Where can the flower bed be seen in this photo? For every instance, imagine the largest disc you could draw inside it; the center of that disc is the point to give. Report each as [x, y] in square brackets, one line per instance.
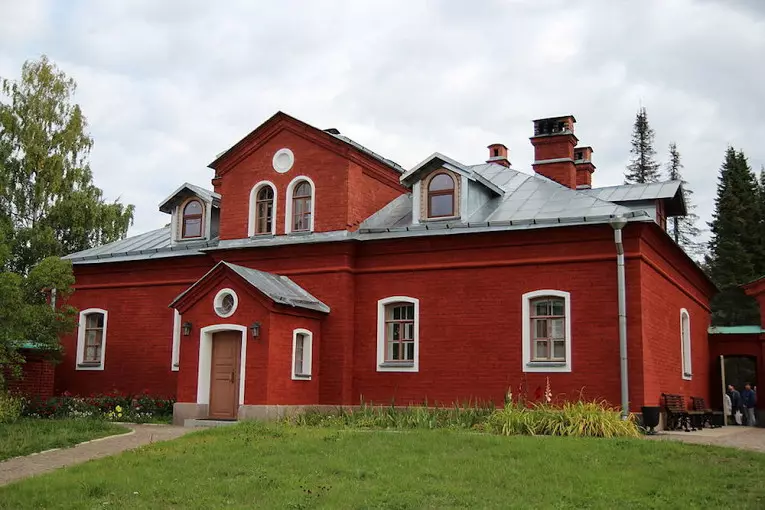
[113, 406]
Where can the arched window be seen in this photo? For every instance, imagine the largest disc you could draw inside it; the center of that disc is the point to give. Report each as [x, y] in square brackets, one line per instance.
[685, 343]
[264, 210]
[192, 220]
[546, 331]
[91, 339]
[398, 334]
[441, 196]
[301, 207]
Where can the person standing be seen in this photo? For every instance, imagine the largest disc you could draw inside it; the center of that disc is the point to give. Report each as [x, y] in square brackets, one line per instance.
[749, 401]
[735, 403]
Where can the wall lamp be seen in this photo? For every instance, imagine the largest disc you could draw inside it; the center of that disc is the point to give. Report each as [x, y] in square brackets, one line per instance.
[255, 329]
[186, 328]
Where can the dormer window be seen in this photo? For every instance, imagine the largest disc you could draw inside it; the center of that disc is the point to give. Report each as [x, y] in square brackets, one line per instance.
[192, 220]
[441, 193]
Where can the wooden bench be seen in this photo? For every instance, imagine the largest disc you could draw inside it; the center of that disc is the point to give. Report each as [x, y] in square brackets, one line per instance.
[677, 413]
[704, 414]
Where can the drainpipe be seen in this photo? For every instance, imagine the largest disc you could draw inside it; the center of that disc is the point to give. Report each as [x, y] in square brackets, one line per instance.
[618, 223]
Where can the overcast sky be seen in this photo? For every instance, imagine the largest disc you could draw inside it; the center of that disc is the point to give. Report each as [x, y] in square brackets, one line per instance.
[167, 85]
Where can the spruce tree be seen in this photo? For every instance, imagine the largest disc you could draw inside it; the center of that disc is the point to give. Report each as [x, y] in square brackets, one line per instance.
[683, 229]
[734, 249]
[643, 167]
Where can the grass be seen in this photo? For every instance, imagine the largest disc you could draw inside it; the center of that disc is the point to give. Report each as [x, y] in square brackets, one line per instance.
[255, 465]
[30, 435]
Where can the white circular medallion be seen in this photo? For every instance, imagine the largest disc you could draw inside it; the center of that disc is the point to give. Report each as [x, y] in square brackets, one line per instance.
[225, 303]
[283, 160]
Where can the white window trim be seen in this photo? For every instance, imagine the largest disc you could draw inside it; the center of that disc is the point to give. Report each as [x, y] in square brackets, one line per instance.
[382, 366]
[544, 366]
[205, 360]
[416, 196]
[251, 224]
[81, 340]
[175, 357]
[307, 355]
[178, 223]
[288, 204]
[218, 301]
[685, 347]
[456, 199]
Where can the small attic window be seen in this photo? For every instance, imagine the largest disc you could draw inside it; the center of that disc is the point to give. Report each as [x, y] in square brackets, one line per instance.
[496, 152]
[441, 192]
[192, 220]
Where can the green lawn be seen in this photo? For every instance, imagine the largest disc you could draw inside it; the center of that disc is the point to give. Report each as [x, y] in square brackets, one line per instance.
[252, 465]
[35, 435]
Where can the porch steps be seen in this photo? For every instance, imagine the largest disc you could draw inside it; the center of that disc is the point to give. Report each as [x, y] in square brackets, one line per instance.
[196, 422]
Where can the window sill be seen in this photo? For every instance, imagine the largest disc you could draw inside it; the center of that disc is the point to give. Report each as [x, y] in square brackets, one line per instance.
[301, 377]
[90, 366]
[299, 232]
[547, 366]
[397, 364]
[262, 235]
[688, 377]
[440, 218]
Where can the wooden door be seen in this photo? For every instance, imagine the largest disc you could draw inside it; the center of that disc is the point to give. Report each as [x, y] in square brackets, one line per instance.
[224, 376]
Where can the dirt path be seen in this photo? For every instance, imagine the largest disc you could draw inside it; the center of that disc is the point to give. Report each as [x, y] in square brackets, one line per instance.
[35, 464]
[746, 438]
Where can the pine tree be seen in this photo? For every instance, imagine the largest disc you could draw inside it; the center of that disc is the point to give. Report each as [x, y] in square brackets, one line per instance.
[683, 229]
[734, 250]
[643, 167]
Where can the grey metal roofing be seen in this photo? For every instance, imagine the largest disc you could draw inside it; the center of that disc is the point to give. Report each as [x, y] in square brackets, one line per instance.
[280, 289]
[527, 201]
[205, 194]
[149, 245]
[369, 152]
[631, 192]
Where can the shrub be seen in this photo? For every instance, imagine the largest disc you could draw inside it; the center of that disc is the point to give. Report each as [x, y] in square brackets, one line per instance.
[113, 407]
[579, 418]
[10, 407]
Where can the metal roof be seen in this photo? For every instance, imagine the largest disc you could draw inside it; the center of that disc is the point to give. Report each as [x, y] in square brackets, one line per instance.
[667, 190]
[280, 289]
[150, 245]
[369, 152]
[528, 201]
[735, 330]
[186, 188]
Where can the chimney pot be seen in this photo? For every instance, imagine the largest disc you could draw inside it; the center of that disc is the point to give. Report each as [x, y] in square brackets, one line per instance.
[554, 143]
[498, 153]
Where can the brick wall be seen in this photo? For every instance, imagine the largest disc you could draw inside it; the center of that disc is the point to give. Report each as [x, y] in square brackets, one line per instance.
[36, 378]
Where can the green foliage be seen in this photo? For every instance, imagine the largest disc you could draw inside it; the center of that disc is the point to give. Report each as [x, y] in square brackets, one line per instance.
[49, 205]
[26, 315]
[578, 419]
[736, 255]
[643, 166]
[683, 229]
[10, 407]
[114, 407]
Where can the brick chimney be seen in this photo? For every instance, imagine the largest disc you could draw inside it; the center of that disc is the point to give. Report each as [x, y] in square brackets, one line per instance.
[554, 143]
[584, 167]
[498, 154]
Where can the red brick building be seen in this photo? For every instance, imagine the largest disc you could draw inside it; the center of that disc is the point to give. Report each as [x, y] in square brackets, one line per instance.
[317, 272]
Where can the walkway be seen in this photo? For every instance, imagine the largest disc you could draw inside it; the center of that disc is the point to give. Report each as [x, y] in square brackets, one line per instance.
[746, 438]
[35, 464]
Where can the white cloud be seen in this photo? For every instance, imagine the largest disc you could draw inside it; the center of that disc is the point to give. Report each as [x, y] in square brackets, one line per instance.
[168, 85]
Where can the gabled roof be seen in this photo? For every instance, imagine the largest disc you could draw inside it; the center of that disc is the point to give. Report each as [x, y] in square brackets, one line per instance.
[439, 160]
[333, 134]
[149, 245]
[669, 191]
[279, 289]
[183, 192]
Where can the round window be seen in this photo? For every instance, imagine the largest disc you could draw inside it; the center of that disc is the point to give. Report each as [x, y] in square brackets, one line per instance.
[283, 160]
[225, 303]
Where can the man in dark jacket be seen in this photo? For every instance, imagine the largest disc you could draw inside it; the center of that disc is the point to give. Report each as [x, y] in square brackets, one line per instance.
[735, 403]
[749, 401]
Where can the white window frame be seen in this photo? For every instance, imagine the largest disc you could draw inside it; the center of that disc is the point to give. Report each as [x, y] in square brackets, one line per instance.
[175, 357]
[288, 205]
[307, 354]
[528, 365]
[218, 301]
[382, 365]
[251, 224]
[81, 340]
[685, 346]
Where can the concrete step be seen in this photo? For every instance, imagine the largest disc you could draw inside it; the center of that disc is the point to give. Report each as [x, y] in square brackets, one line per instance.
[202, 422]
